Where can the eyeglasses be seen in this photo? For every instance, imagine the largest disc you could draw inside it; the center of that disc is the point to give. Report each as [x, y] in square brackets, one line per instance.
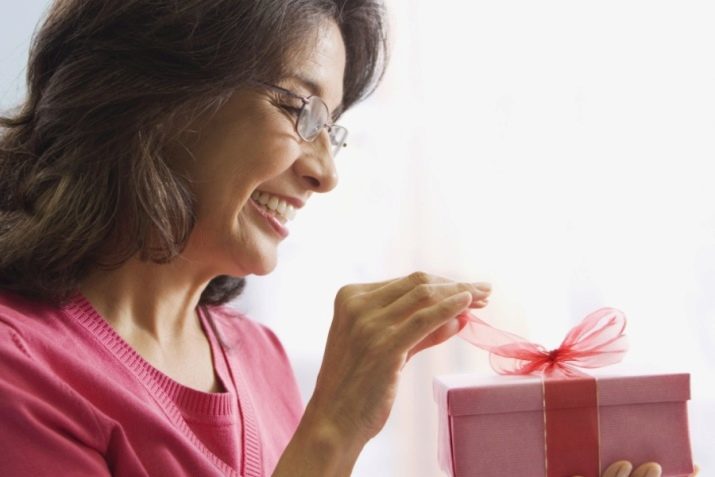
[312, 117]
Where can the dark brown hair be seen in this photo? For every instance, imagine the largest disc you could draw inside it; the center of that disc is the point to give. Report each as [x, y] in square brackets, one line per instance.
[85, 180]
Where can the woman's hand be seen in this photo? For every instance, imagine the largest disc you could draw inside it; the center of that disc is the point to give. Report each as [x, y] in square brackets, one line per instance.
[623, 468]
[376, 329]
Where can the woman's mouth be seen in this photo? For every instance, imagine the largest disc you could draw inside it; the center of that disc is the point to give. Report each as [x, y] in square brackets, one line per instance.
[274, 205]
[274, 210]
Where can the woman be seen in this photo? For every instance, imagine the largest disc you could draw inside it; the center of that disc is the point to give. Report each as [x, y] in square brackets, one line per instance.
[161, 151]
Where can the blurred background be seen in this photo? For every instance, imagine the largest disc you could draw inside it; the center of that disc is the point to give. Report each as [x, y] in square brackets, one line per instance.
[561, 150]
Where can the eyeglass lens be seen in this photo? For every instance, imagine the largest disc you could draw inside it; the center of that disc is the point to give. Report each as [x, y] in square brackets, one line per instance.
[313, 118]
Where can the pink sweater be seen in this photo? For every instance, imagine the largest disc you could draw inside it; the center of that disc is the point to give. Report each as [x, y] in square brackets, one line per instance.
[77, 400]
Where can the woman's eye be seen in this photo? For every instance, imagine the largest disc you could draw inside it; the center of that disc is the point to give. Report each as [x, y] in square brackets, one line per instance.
[294, 110]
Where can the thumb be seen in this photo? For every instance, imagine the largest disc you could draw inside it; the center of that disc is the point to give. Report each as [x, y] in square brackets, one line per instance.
[463, 319]
[443, 333]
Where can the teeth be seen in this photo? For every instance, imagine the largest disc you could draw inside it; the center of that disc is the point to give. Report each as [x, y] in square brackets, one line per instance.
[275, 204]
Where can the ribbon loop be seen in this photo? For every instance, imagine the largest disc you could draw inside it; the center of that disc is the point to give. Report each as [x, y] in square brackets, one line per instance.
[597, 341]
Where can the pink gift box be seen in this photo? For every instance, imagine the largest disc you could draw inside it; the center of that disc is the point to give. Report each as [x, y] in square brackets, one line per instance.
[494, 426]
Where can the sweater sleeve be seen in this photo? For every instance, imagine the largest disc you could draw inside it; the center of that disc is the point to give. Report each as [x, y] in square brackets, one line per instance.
[46, 429]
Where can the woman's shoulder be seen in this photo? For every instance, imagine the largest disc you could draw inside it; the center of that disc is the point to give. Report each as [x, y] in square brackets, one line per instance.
[34, 351]
[14, 304]
[28, 319]
[42, 341]
[45, 341]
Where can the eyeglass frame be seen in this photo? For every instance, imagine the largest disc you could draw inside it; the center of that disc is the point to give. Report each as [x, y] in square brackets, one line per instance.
[305, 100]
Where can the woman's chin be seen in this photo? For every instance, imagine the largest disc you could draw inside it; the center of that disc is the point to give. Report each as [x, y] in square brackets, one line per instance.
[265, 264]
[263, 271]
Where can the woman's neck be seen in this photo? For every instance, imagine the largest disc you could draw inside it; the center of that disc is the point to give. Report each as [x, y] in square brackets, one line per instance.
[153, 308]
[159, 300]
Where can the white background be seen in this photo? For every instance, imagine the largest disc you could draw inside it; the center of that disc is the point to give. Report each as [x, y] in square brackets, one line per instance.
[562, 150]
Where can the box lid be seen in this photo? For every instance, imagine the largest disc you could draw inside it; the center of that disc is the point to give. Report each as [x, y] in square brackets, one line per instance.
[470, 394]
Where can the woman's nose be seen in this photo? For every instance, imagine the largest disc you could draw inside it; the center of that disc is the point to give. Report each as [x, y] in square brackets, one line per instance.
[316, 168]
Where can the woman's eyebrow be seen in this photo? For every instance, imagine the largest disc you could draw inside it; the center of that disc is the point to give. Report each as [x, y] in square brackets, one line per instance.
[315, 89]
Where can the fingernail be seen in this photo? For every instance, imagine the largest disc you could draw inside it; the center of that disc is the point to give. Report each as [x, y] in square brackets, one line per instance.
[462, 321]
[624, 470]
[654, 471]
[483, 286]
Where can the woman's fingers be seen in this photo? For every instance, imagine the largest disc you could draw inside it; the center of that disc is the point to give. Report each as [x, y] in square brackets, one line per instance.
[443, 333]
[622, 468]
[420, 284]
[650, 469]
[387, 291]
[415, 329]
[426, 295]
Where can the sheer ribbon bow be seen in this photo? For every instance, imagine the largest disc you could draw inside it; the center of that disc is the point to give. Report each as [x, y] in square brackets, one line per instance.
[595, 342]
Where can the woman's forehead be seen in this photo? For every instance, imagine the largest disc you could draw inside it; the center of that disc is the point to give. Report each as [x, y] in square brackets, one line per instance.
[319, 70]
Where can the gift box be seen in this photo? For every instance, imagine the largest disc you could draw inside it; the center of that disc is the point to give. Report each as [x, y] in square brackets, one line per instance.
[546, 417]
[493, 426]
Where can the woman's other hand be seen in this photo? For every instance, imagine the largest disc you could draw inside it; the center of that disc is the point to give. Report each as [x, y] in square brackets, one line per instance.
[623, 468]
[376, 328]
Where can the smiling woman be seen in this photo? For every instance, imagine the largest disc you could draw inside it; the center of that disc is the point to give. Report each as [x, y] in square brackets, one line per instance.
[235, 234]
[122, 85]
[161, 151]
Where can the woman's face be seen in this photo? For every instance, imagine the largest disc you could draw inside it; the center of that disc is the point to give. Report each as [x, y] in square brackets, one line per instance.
[249, 153]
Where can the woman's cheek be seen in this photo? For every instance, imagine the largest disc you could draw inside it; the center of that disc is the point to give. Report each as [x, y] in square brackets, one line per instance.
[281, 157]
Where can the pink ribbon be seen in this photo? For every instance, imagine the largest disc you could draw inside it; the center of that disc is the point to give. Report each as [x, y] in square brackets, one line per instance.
[595, 342]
